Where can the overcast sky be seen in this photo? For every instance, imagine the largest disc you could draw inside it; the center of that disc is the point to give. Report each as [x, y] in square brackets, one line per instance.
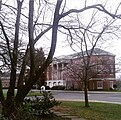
[112, 45]
[62, 45]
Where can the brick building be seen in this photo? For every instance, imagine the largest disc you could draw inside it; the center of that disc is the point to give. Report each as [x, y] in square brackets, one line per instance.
[63, 71]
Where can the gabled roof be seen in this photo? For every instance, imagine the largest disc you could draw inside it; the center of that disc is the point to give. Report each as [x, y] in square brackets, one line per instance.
[96, 51]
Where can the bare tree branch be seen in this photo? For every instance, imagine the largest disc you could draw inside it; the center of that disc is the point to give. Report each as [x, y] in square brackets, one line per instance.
[7, 41]
[96, 6]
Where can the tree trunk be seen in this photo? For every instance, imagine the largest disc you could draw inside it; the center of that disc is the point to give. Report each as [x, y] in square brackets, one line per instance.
[86, 93]
[86, 97]
[0, 4]
[9, 105]
[23, 91]
[8, 109]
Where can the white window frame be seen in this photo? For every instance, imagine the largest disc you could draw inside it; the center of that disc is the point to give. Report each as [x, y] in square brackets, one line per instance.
[99, 84]
[111, 84]
[54, 83]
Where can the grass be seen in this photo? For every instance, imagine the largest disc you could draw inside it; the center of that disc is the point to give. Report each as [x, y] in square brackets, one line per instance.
[96, 111]
[52, 117]
[47, 117]
[31, 93]
[34, 93]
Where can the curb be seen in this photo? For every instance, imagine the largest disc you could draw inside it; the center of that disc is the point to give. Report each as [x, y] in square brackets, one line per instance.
[80, 100]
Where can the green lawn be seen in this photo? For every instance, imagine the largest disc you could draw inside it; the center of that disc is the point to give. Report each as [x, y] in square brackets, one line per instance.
[31, 93]
[34, 93]
[96, 111]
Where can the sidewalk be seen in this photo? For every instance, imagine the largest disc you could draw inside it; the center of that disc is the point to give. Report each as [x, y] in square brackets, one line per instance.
[89, 101]
[95, 92]
[64, 115]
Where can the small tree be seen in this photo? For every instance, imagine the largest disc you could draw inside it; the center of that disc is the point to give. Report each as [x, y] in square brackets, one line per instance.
[39, 60]
[86, 36]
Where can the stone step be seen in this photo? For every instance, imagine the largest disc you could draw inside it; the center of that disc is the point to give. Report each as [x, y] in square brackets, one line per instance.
[64, 115]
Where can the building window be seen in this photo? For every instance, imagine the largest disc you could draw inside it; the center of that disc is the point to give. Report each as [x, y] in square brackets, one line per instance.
[99, 84]
[54, 83]
[59, 83]
[99, 69]
[54, 67]
[55, 75]
[111, 84]
[111, 69]
[49, 83]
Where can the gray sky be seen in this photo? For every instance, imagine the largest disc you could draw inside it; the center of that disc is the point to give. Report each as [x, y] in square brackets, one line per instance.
[111, 45]
[63, 47]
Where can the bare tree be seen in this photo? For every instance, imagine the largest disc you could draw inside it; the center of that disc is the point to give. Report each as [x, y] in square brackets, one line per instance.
[8, 103]
[17, 24]
[86, 36]
[101, 66]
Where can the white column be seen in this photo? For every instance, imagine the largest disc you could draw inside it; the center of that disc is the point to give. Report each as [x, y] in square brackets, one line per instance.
[52, 71]
[62, 71]
[57, 71]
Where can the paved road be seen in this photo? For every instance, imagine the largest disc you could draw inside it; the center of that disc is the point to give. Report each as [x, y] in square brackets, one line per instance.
[111, 97]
